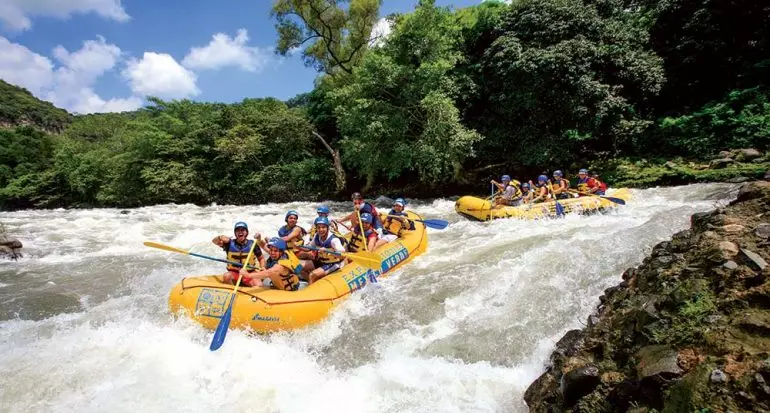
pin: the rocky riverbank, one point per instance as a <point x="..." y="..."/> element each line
<point x="688" y="330"/>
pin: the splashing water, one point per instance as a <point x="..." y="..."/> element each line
<point x="84" y="323"/>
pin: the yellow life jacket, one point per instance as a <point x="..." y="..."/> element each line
<point x="356" y="239"/>
<point x="293" y="243"/>
<point x="238" y="253"/>
<point x="394" y="226"/>
<point x="293" y="268"/>
<point x="326" y="258"/>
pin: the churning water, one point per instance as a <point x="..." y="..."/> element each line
<point x="466" y="327"/>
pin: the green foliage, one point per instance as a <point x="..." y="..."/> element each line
<point x="334" y="39"/>
<point x="397" y="114"/>
<point x="19" y="107"/>
<point x="623" y="172"/>
<point x="687" y="323"/>
<point x="742" y="120"/>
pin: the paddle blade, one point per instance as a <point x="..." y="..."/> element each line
<point x="615" y="200"/>
<point x="434" y="223"/>
<point x="559" y="209"/>
<point x="224" y="325"/>
<point x="367" y="259"/>
<point x="164" y="247"/>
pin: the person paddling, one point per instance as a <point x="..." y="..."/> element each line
<point x="541" y="194"/>
<point x="282" y="268"/>
<point x="560" y="185"/>
<point x="586" y="184"/>
<point x="292" y="233"/>
<point x="322" y="211"/>
<point x="237" y="250"/>
<point x="362" y="207"/>
<point x="369" y="236"/>
<point x="395" y="223"/>
<point x="322" y="264"/>
<point x="511" y="193"/>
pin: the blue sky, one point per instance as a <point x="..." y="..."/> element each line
<point x="107" y="55"/>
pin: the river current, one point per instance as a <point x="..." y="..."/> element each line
<point x="466" y="327"/>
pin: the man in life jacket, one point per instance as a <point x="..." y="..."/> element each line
<point x="237" y="250"/>
<point x="362" y="207"/>
<point x="282" y="267"/>
<point x="370" y="236"/>
<point x="602" y="186"/>
<point x="541" y="193"/>
<point x="511" y="193"/>
<point x="560" y="185"/>
<point x="587" y="185"/>
<point x="292" y="233"/>
<point x="395" y="223"/>
<point x="323" y="264"/>
<point x="526" y="194"/>
<point x="323" y="211"/>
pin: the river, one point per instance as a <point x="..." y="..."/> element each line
<point x="466" y="327"/>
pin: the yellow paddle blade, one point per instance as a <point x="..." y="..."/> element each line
<point x="165" y="247"/>
<point x="367" y="259"/>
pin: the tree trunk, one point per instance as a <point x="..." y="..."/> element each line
<point x="338" y="171"/>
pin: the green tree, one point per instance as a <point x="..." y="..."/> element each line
<point x="336" y="38"/>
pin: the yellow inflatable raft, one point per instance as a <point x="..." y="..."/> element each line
<point x="205" y="298"/>
<point x="482" y="210"/>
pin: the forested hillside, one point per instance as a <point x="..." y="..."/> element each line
<point x="449" y="98"/>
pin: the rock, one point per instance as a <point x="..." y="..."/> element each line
<point x="629" y="274"/>
<point x="728" y="249"/>
<point x="737" y="180"/>
<point x="567" y="346"/>
<point x="10" y="242"/>
<point x="124" y="212"/>
<point x="718" y="376"/>
<point x="657" y="360"/>
<point x="542" y="392"/>
<point x="747" y="154"/>
<point x="762" y="387"/>
<point x="720" y="163"/>
<point x="767" y="175"/>
<point x="593" y="320"/>
<point x="730" y="265"/>
<point x="763" y="230"/>
<point x="733" y="228"/>
<point x="724" y="154"/>
<point x="578" y="383"/>
<point x="670" y="165"/>
<point x="755" y="259"/>
<point x="9" y="253"/>
<point x="700" y="219"/>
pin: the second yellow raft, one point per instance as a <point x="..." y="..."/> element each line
<point x="205" y="298"/>
<point x="480" y="209"/>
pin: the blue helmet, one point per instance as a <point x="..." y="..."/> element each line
<point x="400" y="201"/>
<point x="322" y="221"/>
<point x="525" y="185"/>
<point x="542" y="178"/>
<point x="277" y="243"/>
<point x="506" y="178"/>
<point x="241" y="224"/>
<point x="367" y="217"/>
<point x="290" y="213"/>
<point x="323" y="209"/>
<point x="558" y="173"/>
<point x="583" y="171"/>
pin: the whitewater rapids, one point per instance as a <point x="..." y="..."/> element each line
<point x="466" y="327"/>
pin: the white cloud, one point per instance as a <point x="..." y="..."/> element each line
<point x="380" y="32"/>
<point x="224" y="50"/>
<point x="21" y="66"/>
<point x="158" y="74"/>
<point x="70" y="85"/>
<point x="16" y="14"/>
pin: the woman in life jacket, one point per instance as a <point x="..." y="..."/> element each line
<point x="323" y="263"/>
<point x="282" y="267"/>
<point x="541" y="193"/>
<point x="511" y="193"/>
<point x="586" y="184"/>
<point x="292" y="233"/>
<point x="370" y="235"/>
<point x="362" y="207"/>
<point x="237" y="250"/>
<point x="601" y="185"/>
<point x="395" y="223"/>
<point x="560" y="185"/>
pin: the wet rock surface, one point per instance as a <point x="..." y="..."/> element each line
<point x="10" y="248"/>
<point x="687" y="330"/>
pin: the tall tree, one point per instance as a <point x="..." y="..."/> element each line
<point x="334" y="38"/>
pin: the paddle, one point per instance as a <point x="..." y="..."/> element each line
<point x="559" y="208"/>
<point x="430" y="223"/>
<point x="609" y="198"/>
<point x="186" y="252"/>
<point x="367" y="259"/>
<point x="224" y="322"/>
